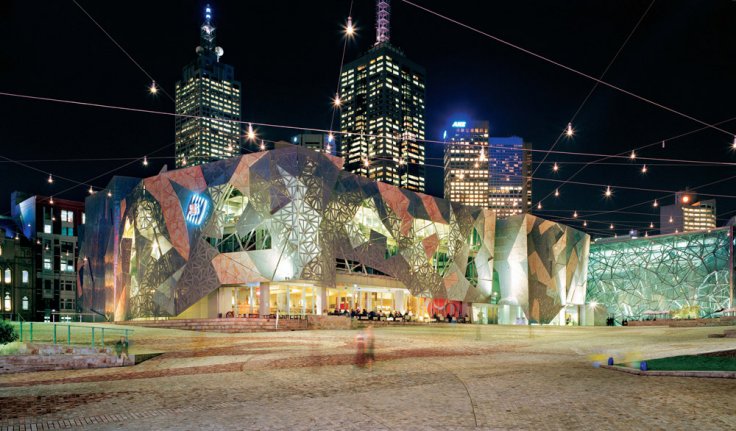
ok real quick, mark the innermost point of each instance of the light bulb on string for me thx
(677, 231)
(91, 190)
(349, 27)
(50, 180)
(733, 146)
(644, 169)
(51, 200)
(184, 161)
(229, 147)
(575, 214)
(655, 204)
(569, 130)
(557, 193)
(633, 155)
(251, 132)
(109, 194)
(336, 102)
(671, 220)
(611, 227)
(608, 192)
(663, 144)
(330, 137)
(555, 167)
(263, 146)
(145, 161)
(327, 148)
(539, 205)
(585, 223)
(366, 162)
(646, 234)
(153, 89)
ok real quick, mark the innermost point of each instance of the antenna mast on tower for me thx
(383, 21)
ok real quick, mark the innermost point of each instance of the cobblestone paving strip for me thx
(424, 378)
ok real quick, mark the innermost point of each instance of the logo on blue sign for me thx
(459, 124)
(196, 209)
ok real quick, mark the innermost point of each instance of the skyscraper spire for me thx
(383, 21)
(207, 36)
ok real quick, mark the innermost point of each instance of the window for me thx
(8, 277)
(47, 263)
(25, 277)
(47, 228)
(24, 304)
(7, 301)
(67, 216)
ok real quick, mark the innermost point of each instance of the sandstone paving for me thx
(441, 377)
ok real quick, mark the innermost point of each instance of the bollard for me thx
(93, 336)
(54, 333)
(21, 332)
(643, 365)
(103, 337)
(31, 331)
(610, 361)
(68, 335)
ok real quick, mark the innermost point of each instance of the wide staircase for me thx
(228, 325)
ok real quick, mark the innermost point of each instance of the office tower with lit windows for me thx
(687, 214)
(208, 98)
(466, 163)
(381, 101)
(510, 181)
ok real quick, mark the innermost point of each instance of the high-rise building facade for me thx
(382, 112)
(510, 182)
(52, 225)
(466, 163)
(208, 98)
(687, 214)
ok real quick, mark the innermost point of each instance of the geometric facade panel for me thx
(686, 275)
(293, 214)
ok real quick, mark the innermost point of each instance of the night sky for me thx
(287, 56)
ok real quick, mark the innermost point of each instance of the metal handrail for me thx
(100, 329)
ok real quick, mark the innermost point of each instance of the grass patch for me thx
(691, 363)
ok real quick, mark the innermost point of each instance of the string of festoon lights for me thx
(566, 67)
(153, 88)
(251, 134)
(568, 131)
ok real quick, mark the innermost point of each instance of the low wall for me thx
(328, 322)
(41, 357)
(686, 323)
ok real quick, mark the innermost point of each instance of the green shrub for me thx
(7, 332)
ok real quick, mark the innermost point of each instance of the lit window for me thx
(47, 263)
(8, 278)
(7, 302)
(25, 277)
(24, 304)
(46, 228)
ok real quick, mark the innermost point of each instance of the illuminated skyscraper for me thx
(510, 182)
(687, 215)
(207, 104)
(466, 163)
(382, 112)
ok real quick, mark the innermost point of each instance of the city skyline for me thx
(520, 95)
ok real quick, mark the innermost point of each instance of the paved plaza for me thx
(435, 377)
